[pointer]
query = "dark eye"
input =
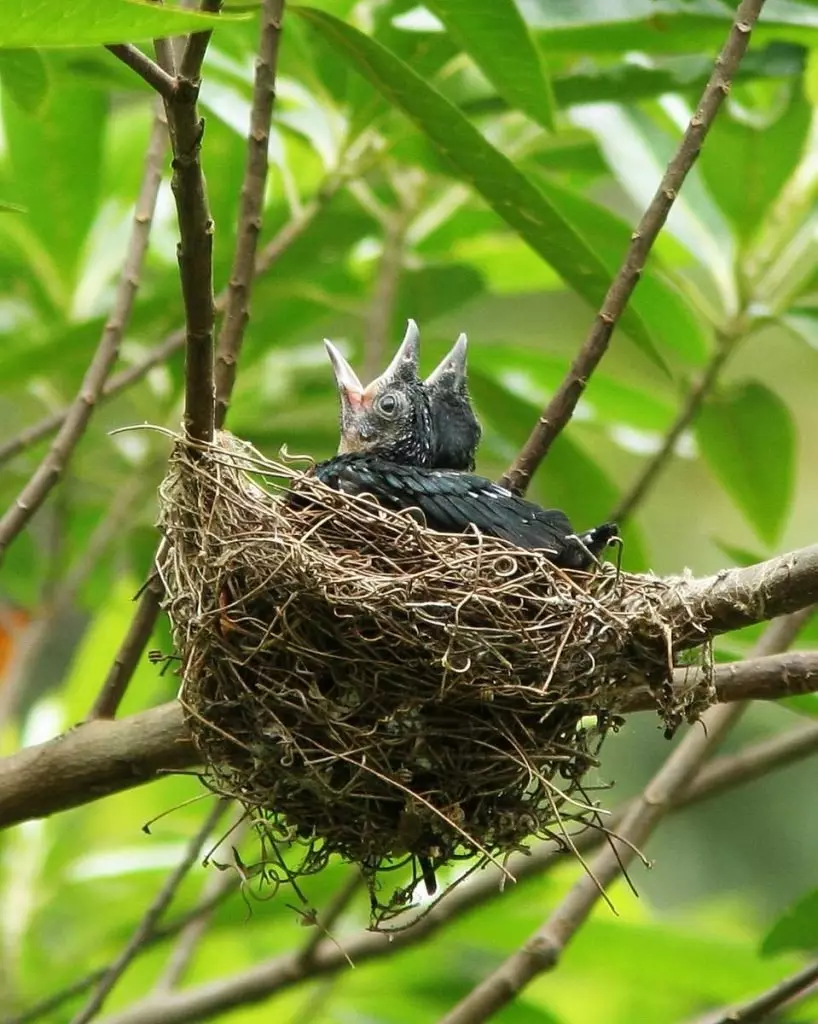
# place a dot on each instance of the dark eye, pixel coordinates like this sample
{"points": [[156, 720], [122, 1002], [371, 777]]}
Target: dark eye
{"points": [[387, 404]]}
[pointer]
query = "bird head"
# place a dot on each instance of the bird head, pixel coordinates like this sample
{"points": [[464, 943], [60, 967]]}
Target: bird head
{"points": [[455, 428], [389, 417]]}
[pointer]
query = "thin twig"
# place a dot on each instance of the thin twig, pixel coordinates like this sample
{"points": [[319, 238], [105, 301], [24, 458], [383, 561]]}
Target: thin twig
{"points": [[48, 473], [541, 952], [322, 926], [763, 1007], [242, 273], [130, 651], [147, 69], [687, 414], [561, 407], [192, 934], [282, 972], [148, 922]]}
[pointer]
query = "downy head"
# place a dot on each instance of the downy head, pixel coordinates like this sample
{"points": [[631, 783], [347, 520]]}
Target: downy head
{"points": [[390, 417], [455, 428]]}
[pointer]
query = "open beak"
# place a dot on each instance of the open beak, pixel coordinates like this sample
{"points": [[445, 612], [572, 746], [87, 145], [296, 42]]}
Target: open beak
{"points": [[349, 387], [404, 365]]}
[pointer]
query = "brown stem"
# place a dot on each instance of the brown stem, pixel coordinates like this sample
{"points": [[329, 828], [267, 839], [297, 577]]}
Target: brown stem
{"points": [[242, 274], [762, 1008], [78, 415], [147, 69], [561, 407]]}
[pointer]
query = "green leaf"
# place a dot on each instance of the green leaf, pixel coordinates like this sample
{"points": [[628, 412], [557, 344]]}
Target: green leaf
{"points": [[668, 316], [509, 192], [747, 437], [745, 164], [56, 162], [738, 556], [52, 23], [796, 929], [24, 77], [494, 35]]}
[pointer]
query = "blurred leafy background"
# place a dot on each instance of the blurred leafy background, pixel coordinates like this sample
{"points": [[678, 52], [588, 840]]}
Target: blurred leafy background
{"points": [[587, 101]]}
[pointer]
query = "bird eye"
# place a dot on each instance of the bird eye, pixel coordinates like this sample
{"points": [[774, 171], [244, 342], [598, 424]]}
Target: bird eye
{"points": [[387, 404]]}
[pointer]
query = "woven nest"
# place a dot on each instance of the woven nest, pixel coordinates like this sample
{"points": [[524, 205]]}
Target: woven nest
{"points": [[374, 689]]}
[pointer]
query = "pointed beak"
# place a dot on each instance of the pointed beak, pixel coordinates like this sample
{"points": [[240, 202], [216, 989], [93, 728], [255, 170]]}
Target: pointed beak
{"points": [[404, 365], [452, 368], [349, 387]]}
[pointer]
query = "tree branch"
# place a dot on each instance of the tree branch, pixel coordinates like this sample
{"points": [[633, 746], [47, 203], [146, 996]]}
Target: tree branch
{"points": [[242, 274], [147, 69], [763, 1007], [48, 473], [541, 952], [92, 761], [382, 306], [278, 973], [155, 911], [561, 407]]}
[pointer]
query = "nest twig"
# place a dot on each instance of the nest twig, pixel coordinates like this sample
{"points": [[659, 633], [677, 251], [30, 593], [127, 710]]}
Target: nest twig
{"points": [[388, 693]]}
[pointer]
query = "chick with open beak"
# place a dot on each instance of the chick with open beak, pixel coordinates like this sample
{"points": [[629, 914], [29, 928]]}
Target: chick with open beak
{"points": [[390, 417]]}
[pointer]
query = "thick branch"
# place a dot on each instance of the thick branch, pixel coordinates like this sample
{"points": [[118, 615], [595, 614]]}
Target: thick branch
{"points": [[735, 598], [561, 407], [50, 470], [91, 761], [147, 69], [239, 289]]}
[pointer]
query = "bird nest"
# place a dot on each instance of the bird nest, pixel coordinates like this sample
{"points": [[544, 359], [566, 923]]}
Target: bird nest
{"points": [[374, 689]]}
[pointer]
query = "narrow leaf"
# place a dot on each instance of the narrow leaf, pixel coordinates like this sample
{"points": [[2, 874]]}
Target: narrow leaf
{"points": [[747, 437], [53, 23], [474, 160], [494, 35]]}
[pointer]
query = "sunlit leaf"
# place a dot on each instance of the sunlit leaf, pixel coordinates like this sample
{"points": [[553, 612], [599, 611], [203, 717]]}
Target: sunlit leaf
{"points": [[520, 203], [495, 36], [49, 23], [747, 437]]}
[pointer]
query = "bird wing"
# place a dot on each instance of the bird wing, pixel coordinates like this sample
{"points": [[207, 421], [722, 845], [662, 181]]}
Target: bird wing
{"points": [[451, 502]]}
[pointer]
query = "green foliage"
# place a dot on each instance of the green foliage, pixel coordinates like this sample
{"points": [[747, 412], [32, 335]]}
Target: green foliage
{"points": [[747, 437], [518, 143]]}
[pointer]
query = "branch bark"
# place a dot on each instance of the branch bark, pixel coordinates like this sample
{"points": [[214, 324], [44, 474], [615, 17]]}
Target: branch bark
{"points": [[762, 1008], [561, 407], [148, 70], [239, 288], [79, 413]]}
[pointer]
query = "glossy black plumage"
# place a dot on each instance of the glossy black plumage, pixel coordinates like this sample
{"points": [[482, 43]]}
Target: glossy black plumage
{"points": [[456, 431], [454, 502]]}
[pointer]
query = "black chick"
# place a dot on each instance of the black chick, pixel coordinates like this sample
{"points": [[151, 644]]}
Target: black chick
{"points": [[455, 427], [390, 445]]}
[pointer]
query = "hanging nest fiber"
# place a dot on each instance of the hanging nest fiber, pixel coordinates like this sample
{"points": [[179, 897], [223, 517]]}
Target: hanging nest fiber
{"points": [[374, 689]]}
